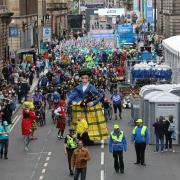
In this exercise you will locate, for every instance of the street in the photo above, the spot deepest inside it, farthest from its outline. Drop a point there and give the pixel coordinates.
(46, 159)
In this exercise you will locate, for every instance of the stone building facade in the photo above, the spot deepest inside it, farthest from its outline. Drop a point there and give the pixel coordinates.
(168, 17)
(5, 19)
(23, 29)
(58, 11)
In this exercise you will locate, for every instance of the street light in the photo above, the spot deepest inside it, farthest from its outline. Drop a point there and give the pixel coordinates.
(155, 4)
(79, 6)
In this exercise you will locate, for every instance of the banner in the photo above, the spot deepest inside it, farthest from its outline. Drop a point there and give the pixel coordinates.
(102, 33)
(46, 34)
(111, 12)
(125, 34)
(13, 32)
(149, 16)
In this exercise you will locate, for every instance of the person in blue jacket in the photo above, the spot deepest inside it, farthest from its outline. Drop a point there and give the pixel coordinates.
(117, 144)
(82, 91)
(140, 137)
(4, 139)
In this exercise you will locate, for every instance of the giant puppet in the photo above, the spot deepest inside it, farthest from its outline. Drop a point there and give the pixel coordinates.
(85, 101)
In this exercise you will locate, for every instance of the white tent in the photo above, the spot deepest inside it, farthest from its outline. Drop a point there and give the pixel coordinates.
(173, 44)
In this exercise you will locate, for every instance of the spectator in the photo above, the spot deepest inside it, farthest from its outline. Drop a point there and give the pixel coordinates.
(24, 89)
(116, 99)
(4, 139)
(31, 77)
(7, 112)
(169, 130)
(171, 133)
(159, 132)
(6, 72)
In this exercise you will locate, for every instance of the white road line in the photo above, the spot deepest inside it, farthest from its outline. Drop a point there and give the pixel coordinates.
(14, 120)
(41, 177)
(102, 144)
(102, 158)
(49, 153)
(12, 127)
(102, 174)
(43, 171)
(37, 164)
(48, 158)
(45, 164)
(37, 153)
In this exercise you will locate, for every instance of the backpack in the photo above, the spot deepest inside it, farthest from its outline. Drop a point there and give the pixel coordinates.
(171, 127)
(56, 98)
(116, 98)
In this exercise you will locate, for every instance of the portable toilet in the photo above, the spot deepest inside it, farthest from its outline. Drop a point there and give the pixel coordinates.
(145, 107)
(175, 89)
(172, 88)
(163, 104)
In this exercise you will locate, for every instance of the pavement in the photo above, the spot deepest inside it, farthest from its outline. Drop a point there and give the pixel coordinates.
(46, 159)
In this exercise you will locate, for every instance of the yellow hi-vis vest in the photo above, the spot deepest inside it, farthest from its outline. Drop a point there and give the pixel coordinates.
(143, 130)
(71, 143)
(117, 139)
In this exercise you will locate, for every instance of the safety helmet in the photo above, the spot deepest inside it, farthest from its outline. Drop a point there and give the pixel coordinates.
(139, 121)
(71, 130)
(116, 126)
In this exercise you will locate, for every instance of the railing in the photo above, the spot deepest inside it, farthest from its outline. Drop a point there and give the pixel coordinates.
(4, 9)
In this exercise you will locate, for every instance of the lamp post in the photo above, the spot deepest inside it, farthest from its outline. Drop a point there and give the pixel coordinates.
(155, 25)
(79, 6)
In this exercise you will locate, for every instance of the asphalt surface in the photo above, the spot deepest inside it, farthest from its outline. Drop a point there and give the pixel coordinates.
(46, 159)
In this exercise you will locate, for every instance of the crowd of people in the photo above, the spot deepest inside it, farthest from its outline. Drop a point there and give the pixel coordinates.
(81, 76)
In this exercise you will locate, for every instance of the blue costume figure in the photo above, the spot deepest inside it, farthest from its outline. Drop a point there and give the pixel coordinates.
(43, 82)
(37, 98)
(55, 97)
(85, 100)
(83, 91)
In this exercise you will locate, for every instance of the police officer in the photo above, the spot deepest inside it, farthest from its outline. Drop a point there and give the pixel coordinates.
(117, 144)
(70, 144)
(140, 137)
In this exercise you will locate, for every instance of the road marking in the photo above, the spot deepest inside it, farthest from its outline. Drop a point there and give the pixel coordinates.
(102, 158)
(48, 158)
(49, 153)
(14, 120)
(102, 174)
(37, 153)
(102, 144)
(37, 164)
(43, 171)
(41, 177)
(17, 120)
(45, 164)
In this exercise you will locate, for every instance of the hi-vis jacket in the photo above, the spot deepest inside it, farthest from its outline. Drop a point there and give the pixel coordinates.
(117, 142)
(140, 134)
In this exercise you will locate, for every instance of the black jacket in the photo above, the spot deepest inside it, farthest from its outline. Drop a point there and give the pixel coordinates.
(159, 128)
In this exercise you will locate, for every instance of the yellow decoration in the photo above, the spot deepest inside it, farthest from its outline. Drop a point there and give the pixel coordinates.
(28, 104)
(94, 116)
